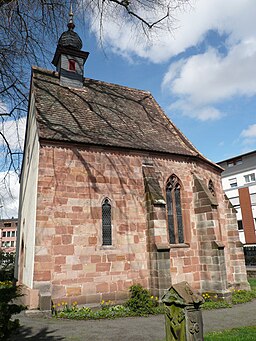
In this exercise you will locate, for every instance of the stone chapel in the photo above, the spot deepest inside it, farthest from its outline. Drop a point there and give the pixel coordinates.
(113, 194)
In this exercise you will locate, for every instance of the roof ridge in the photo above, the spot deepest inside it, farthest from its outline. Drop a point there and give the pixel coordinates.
(56, 74)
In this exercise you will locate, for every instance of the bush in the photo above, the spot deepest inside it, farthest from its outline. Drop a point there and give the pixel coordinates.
(8, 293)
(141, 301)
(6, 266)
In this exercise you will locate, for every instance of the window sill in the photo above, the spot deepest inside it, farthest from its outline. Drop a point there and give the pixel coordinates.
(180, 246)
(107, 247)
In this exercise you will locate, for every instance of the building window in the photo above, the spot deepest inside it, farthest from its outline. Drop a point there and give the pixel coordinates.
(4, 234)
(211, 188)
(234, 162)
(174, 211)
(72, 65)
(12, 243)
(233, 182)
(13, 234)
(106, 223)
(7, 224)
(240, 225)
(249, 177)
(8, 233)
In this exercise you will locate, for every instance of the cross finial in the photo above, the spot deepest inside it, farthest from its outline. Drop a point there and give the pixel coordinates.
(71, 24)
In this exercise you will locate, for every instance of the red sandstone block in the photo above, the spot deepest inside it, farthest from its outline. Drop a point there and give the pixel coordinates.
(77, 208)
(120, 258)
(70, 230)
(74, 291)
(42, 275)
(103, 287)
(43, 258)
(60, 201)
(187, 261)
(101, 267)
(95, 259)
(111, 258)
(196, 276)
(96, 212)
(42, 218)
(92, 240)
(77, 267)
(43, 266)
(136, 239)
(63, 249)
(130, 257)
(80, 178)
(141, 227)
(123, 227)
(59, 214)
(61, 229)
(56, 240)
(57, 268)
(75, 222)
(113, 287)
(66, 239)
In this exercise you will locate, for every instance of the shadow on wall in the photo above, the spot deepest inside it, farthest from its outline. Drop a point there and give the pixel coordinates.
(25, 334)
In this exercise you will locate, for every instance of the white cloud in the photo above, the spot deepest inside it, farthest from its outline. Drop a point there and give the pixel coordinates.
(14, 133)
(211, 78)
(250, 132)
(9, 197)
(201, 81)
(233, 17)
(248, 137)
(202, 113)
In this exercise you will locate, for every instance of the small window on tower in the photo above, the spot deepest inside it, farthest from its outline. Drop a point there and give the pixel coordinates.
(72, 65)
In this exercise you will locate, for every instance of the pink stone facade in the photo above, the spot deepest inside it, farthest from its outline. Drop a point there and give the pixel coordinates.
(8, 234)
(70, 261)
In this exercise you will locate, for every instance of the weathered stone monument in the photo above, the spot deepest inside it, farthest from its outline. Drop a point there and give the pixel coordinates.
(183, 316)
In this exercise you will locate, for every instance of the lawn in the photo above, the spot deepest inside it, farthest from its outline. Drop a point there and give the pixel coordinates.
(236, 334)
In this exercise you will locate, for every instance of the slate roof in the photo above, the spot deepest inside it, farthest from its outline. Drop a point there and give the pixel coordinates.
(104, 114)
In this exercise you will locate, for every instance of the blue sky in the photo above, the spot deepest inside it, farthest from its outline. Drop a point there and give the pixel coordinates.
(203, 73)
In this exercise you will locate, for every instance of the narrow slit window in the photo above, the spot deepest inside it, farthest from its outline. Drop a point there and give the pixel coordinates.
(72, 65)
(106, 223)
(174, 211)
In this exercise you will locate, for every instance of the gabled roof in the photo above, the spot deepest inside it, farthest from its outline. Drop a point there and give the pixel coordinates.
(104, 114)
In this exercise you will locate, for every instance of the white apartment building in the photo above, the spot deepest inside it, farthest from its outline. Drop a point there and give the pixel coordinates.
(239, 184)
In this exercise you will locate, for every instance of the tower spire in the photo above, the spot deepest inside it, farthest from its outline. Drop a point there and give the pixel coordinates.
(71, 24)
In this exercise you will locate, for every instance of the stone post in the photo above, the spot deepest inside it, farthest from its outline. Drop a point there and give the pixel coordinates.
(183, 316)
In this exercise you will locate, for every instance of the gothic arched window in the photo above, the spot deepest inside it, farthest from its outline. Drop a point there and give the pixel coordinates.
(174, 211)
(106, 223)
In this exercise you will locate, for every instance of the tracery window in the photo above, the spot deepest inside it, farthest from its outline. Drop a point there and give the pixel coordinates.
(174, 210)
(211, 188)
(106, 223)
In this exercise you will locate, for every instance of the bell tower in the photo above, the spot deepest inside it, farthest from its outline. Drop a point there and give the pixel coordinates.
(68, 58)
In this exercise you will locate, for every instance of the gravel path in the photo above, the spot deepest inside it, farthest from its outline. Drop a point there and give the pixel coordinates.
(127, 329)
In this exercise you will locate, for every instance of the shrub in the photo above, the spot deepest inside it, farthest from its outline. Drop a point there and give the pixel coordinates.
(6, 266)
(141, 301)
(242, 296)
(8, 293)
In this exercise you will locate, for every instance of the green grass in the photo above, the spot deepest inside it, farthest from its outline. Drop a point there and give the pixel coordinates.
(235, 334)
(238, 297)
(252, 282)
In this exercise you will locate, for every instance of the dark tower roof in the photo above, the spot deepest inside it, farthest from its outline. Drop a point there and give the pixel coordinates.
(69, 38)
